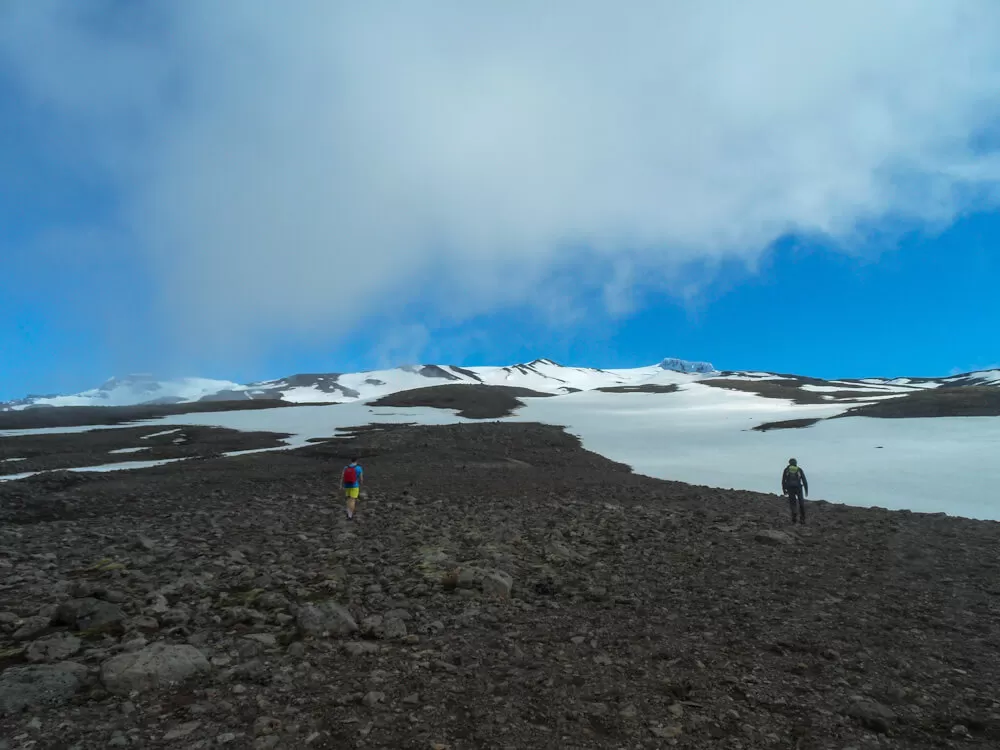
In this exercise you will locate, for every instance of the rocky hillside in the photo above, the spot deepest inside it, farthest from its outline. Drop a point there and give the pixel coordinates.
(500, 588)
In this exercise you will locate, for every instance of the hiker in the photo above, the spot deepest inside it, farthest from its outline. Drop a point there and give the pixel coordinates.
(794, 484)
(350, 483)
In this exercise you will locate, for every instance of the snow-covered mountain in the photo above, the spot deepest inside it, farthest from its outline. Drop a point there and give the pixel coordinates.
(542, 375)
(131, 390)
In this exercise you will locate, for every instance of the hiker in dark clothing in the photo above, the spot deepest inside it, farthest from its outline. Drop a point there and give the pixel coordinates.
(794, 484)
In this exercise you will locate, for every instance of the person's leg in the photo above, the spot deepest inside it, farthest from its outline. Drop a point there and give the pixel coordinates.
(352, 499)
(791, 503)
(802, 507)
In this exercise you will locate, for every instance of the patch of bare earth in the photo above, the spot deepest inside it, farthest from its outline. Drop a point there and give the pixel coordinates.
(791, 390)
(962, 401)
(788, 424)
(470, 401)
(83, 416)
(645, 388)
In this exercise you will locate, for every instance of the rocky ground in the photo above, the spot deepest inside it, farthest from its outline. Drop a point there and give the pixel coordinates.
(500, 588)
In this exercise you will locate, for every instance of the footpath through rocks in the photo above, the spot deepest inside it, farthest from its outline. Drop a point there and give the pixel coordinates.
(500, 588)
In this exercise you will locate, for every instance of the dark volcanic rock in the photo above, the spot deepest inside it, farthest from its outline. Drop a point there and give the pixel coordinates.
(773, 538)
(471, 401)
(872, 715)
(56, 647)
(962, 401)
(645, 388)
(156, 666)
(89, 614)
(499, 587)
(325, 618)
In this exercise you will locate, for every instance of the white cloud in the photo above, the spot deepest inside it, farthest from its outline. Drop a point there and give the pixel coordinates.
(300, 165)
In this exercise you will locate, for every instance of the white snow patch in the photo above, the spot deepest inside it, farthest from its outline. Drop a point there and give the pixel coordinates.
(100, 468)
(12, 460)
(131, 465)
(703, 436)
(12, 477)
(304, 423)
(129, 450)
(160, 434)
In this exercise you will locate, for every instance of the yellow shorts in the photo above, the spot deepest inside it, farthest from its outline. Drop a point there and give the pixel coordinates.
(352, 492)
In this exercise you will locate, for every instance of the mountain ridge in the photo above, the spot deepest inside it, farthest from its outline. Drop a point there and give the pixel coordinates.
(541, 374)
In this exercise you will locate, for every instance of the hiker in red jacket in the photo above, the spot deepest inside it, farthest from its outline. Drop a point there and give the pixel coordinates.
(350, 482)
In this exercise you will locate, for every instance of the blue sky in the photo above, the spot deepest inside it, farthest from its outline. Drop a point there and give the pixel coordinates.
(303, 201)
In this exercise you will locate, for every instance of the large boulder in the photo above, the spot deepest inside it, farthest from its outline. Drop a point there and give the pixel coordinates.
(390, 628)
(56, 647)
(491, 581)
(32, 627)
(872, 715)
(39, 685)
(152, 668)
(773, 538)
(89, 614)
(325, 618)
(497, 583)
(557, 551)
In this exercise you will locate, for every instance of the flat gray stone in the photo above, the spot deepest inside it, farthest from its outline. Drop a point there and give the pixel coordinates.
(153, 667)
(56, 647)
(39, 685)
(325, 618)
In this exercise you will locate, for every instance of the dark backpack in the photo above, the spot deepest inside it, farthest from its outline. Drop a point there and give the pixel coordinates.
(350, 475)
(793, 476)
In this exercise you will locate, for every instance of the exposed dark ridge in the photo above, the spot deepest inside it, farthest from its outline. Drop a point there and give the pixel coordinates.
(966, 401)
(68, 450)
(231, 396)
(471, 401)
(788, 424)
(790, 378)
(327, 382)
(646, 388)
(82, 416)
(788, 390)
(961, 381)
(314, 380)
(165, 400)
(436, 371)
(528, 368)
(467, 373)
(323, 382)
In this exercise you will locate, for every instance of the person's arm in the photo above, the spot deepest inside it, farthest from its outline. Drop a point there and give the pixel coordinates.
(784, 475)
(805, 483)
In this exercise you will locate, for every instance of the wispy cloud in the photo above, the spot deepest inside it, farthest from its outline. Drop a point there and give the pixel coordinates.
(284, 165)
